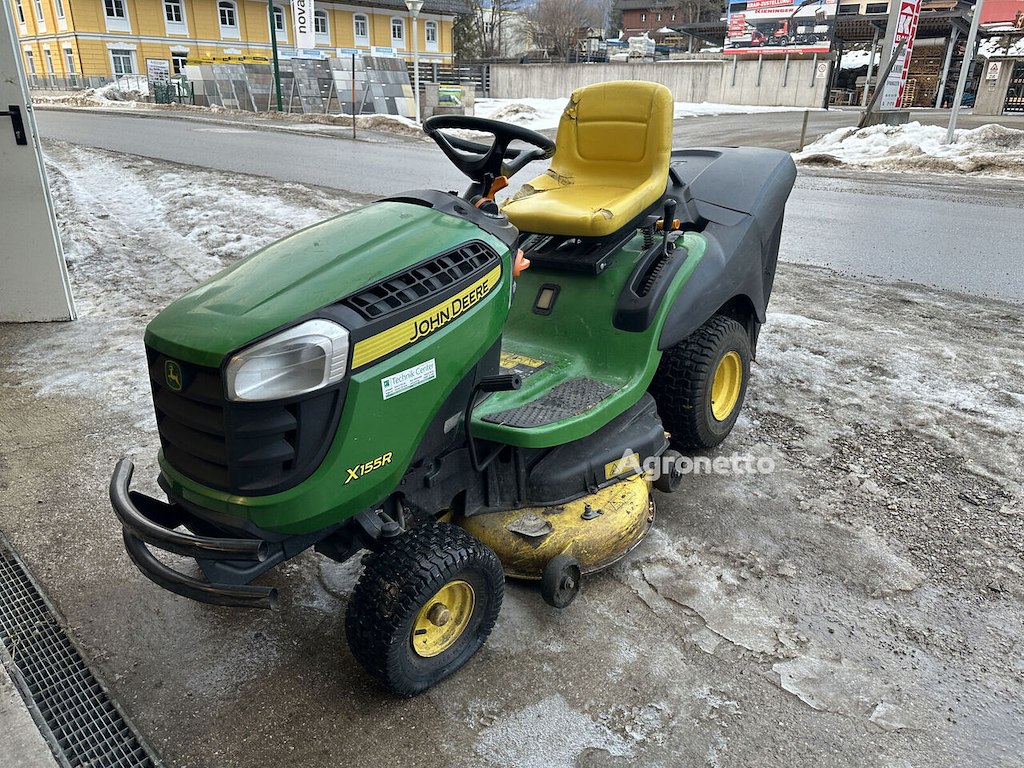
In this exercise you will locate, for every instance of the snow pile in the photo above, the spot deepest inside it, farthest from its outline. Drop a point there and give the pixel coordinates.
(991, 149)
(128, 88)
(124, 92)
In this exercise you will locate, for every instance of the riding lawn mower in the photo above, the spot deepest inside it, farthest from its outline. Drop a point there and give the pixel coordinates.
(463, 389)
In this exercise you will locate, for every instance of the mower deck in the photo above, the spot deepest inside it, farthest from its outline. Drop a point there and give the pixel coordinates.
(597, 530)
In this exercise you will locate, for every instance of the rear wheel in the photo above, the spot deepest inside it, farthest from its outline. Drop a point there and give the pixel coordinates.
(701, 382)
(423, 606)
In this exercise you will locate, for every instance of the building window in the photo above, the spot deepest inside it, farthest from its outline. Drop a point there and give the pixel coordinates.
(122, 60)
(69, 67)
(20, 11)
(643, 17)
(116, 16)
(114, 9)
(659, 17)
(876, 8)
(30, 63)
(178, 61)
(58, 8)
(430, 32)
(172, 11)
(672, 17)
(279, 23)
(849, 8)
(228, 15)
(361, 27)
(321, 27)
(50, 72)
(397, 33)
(39, 11)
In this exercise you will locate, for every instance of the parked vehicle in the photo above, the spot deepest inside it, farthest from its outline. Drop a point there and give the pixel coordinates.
(467, 390)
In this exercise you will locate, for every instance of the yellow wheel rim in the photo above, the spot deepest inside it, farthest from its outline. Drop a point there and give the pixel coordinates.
(725, 387)
(442, 619)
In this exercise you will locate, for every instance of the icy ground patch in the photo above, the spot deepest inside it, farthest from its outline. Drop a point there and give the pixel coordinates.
(991, 149)
(861, 604)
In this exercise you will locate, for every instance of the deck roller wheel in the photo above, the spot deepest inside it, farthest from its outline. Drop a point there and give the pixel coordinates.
(561, 581)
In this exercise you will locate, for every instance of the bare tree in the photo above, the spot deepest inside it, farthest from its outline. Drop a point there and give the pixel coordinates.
(489, 29)
(692, 11)
(559, 25)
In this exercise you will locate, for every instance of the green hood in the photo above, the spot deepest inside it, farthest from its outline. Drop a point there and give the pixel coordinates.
(301, 273)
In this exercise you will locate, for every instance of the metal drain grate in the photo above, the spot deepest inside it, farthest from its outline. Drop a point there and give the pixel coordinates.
(79, 721)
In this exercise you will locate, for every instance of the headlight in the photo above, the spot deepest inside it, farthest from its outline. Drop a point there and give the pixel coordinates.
(302, 359)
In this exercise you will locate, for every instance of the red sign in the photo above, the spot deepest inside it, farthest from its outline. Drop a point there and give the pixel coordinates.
(906, 30)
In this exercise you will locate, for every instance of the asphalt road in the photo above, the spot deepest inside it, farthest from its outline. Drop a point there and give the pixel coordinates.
(956, 234)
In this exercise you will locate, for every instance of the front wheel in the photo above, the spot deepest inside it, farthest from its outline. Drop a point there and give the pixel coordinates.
(423, 606)
(701, 382)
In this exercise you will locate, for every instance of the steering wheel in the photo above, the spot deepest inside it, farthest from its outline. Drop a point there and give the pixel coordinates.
(479, 161)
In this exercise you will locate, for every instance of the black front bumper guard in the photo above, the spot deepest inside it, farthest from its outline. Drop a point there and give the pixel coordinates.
(229, 563)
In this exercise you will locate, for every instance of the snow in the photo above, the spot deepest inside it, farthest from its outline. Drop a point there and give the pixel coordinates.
(993, 46)
(856, 59)
(990, 149)
(988, 47)
(544, 114)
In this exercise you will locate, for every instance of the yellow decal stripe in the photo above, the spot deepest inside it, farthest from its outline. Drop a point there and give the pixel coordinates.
(425, 323)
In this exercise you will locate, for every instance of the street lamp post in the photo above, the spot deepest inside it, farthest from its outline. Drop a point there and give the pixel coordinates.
(414, 7)
(273, 46)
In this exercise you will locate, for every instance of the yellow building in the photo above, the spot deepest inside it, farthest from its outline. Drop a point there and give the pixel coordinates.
(87, 42)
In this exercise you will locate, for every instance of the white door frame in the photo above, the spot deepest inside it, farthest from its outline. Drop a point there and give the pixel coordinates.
(34, 283)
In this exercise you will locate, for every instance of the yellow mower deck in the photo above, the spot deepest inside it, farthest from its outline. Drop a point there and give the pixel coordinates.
(597, 530)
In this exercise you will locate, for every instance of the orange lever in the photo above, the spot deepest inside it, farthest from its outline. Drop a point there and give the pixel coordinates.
(496, 186)
(520, 262)
(499, 184)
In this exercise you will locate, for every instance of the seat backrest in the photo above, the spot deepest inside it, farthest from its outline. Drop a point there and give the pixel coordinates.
(615, 134)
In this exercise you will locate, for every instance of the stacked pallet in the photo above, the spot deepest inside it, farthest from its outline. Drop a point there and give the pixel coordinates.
(925, 69)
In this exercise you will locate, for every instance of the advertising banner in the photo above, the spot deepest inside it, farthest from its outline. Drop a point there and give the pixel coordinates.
(158, 70)
(302, 18)
(780, 26)
(906, 29)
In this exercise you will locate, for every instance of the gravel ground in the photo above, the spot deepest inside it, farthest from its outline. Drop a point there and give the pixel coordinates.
(860, 604)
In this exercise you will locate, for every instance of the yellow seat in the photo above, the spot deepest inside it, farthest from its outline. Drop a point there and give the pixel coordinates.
(611, 162)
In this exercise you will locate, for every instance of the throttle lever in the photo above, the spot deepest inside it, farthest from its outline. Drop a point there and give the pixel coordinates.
(668, 223)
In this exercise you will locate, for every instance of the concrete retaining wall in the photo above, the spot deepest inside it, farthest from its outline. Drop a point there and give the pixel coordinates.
(739, 80)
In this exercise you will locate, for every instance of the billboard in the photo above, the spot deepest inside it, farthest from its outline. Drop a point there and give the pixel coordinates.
(780, 26)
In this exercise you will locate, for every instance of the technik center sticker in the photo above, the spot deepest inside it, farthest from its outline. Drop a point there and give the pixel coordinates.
(410, 378)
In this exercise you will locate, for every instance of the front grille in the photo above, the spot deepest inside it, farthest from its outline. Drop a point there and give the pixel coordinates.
(430, 277)
(243, 448)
